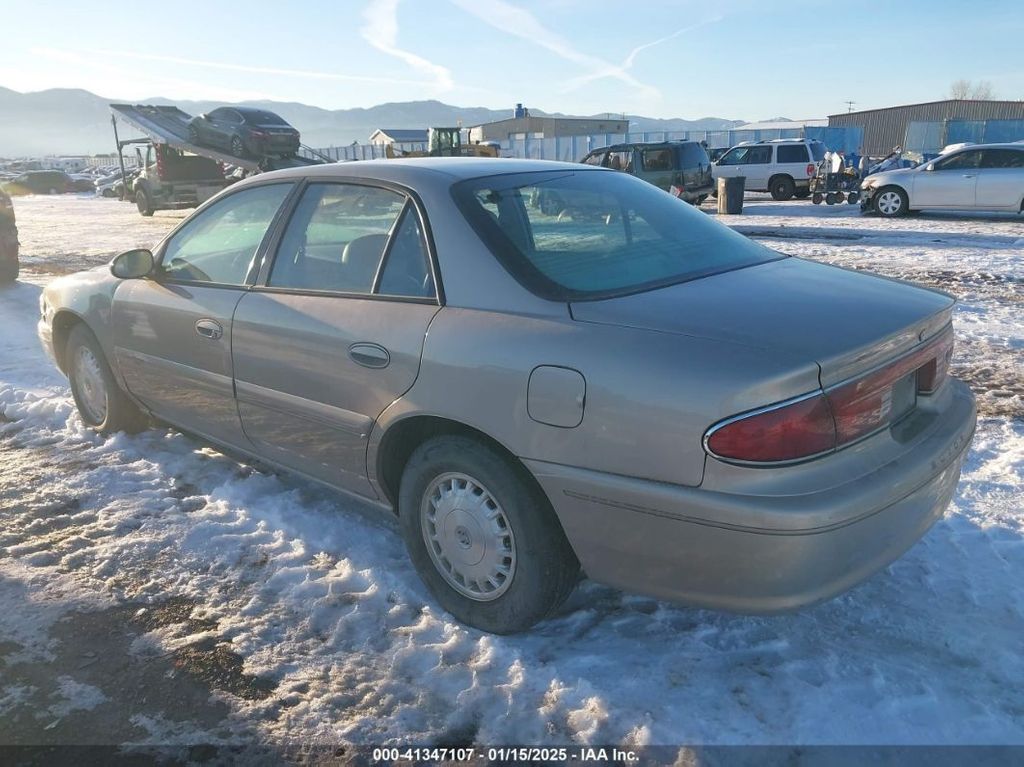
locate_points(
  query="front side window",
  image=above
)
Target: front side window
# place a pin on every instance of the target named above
(338, 237)
(747, 155)
(959, 161)
(594, 159)
(219, 243)
(572, 236)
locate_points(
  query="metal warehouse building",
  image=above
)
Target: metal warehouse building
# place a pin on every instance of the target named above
(887, 128)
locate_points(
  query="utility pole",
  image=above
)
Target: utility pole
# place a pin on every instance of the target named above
(849, 106)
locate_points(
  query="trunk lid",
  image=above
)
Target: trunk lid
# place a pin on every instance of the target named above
(846, 322)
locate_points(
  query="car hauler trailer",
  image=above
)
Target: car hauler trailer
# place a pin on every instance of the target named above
(174, 172)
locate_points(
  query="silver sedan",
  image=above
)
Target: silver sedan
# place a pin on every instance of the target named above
(541, 368)
(980, 177)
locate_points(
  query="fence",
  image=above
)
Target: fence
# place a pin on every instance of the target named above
(575, 148)
(928, 138)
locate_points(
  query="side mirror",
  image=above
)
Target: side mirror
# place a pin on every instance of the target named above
(930, 166)
(133, 265)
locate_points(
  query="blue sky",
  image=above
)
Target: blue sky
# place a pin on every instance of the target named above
(741, 59)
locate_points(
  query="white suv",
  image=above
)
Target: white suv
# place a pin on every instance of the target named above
(781, 166)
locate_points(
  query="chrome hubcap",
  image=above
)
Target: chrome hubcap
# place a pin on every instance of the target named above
(468, 536)
(90, 386)
(889, 202)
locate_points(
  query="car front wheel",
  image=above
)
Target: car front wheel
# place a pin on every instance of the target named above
(891, 201)
(101, 403)
(144, 202)
(482, 536)
(237, 148)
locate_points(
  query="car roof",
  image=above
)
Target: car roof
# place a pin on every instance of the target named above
(251, 111)
(642, 144)
(408, 170)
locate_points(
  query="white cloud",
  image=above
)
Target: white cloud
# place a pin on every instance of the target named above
(381, 31)
(249, 68)
(523, 24)
(627, 64)
(94, 74)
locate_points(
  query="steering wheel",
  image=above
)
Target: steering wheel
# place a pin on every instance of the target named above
(187, 271)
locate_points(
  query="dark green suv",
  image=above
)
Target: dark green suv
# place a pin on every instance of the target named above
(682, 168)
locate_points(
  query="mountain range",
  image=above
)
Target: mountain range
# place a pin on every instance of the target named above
(71, 121)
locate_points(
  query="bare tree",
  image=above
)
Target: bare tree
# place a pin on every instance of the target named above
(965, 89)
(983, 91)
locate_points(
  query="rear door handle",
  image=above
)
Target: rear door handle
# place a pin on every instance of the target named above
(369, 355)
(209, 329)
(968, 175)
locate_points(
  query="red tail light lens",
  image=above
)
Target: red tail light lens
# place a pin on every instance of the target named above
(786, 433)
(810, 169)
(831, 419)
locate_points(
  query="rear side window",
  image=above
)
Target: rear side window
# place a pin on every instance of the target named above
(1003, 158)
(337, 239)
(573, 236)
(759, 155)
(657, 159)
(792, 153)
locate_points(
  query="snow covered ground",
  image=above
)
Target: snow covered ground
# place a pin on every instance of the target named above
(295, 616)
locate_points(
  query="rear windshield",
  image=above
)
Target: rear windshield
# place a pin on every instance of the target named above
(817, 151)
(263, 118)
(694, 154)
(592, 234)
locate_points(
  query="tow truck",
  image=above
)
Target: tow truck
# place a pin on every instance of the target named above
(174, 172)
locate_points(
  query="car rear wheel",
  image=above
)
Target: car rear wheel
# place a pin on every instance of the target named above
(193, 135)
(482, 536)
(782, 188)
(237, 148)
(103, 406)
(891, 201)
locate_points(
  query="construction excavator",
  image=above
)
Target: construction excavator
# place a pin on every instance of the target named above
(445, 142)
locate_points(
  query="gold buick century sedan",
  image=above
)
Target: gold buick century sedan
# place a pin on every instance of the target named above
(541, 368)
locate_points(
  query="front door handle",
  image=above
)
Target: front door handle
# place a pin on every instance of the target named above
(209, 329)
(968, 175)
(369, 355)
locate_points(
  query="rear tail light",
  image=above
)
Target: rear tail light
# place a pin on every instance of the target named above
(828, 420)
(810, 169)
(798, 430)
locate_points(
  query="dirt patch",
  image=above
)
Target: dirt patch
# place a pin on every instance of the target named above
(99, 687)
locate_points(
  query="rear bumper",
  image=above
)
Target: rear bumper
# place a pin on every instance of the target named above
(758, 553)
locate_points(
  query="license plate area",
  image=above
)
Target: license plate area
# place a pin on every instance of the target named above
(903, 397)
